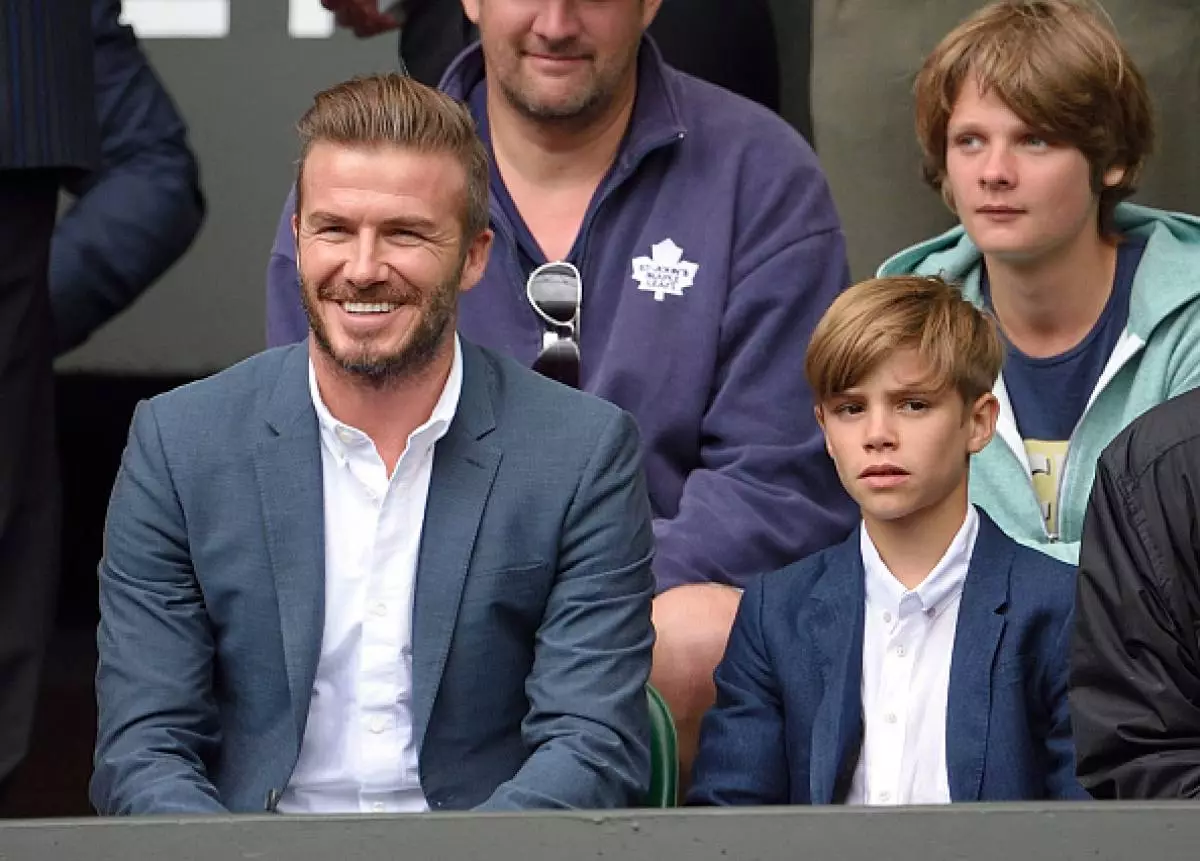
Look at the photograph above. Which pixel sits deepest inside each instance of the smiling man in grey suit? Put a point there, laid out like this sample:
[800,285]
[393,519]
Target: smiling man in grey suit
[384,570]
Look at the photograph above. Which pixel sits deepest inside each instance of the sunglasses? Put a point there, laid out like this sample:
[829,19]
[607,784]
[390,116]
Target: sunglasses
[555,290]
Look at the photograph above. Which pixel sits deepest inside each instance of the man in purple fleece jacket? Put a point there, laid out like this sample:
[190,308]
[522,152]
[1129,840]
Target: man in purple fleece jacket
[708,247]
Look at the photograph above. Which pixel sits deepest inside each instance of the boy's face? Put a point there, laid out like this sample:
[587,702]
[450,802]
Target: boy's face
[900,447]
[1020,197]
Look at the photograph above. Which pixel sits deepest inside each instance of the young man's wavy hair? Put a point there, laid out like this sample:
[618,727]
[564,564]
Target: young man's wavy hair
[1059,66]
[869,322]
[394,110]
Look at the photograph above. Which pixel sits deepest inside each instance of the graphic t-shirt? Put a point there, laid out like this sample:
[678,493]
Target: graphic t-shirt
[1049,395]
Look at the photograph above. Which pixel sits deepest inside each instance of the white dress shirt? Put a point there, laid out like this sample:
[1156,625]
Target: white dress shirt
[908,640]
[359,753]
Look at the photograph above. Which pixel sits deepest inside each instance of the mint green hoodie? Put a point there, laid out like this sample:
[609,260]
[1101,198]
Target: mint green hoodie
[1156,358]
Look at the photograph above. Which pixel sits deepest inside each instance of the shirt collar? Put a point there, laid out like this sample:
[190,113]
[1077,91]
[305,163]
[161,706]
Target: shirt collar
[339,436]
[944,581]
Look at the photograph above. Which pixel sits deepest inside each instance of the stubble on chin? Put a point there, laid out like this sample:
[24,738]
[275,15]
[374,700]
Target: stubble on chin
[379,370]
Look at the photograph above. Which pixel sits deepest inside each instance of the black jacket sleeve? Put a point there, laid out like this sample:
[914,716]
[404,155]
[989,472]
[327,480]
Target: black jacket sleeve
[1135,681]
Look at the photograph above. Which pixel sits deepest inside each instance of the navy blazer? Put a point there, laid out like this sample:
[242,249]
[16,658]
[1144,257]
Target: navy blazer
[787,725]
[531,614]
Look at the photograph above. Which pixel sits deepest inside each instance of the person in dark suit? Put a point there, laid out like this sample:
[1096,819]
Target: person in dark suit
[140,209]
[382,570]
[923,660]
[47,135]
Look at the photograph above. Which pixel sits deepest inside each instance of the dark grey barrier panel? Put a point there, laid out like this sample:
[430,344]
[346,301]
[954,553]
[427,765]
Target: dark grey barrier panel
[1095,832]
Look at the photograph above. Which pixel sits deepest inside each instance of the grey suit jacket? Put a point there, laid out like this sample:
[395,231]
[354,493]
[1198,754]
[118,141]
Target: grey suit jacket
[531,619]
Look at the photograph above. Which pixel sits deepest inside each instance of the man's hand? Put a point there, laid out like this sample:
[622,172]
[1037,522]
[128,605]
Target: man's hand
[363,16]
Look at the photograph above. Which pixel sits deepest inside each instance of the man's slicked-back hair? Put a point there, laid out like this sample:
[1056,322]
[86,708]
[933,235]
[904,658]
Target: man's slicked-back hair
[394,110]
[1059,66]
[869,322]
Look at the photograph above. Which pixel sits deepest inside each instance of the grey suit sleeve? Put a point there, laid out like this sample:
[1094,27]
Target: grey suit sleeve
[588,725]
[158,721]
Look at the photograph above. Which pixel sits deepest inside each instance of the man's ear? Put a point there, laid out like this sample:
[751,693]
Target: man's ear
[1113,176]
[649,10]
[475,260]
[296,237]
[982,416]
[471,10]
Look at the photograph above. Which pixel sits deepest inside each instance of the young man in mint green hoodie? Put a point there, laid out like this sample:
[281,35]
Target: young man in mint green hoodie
[1035,125]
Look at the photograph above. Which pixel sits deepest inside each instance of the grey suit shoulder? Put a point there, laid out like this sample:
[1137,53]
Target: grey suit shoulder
[243,392]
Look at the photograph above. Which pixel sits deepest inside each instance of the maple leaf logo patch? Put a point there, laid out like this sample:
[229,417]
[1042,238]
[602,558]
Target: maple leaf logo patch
[664,272]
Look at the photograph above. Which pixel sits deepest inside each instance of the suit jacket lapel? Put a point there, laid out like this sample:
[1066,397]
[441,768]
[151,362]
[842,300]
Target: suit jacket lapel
[980,624]
[288,466]
[838,634]
[464,467]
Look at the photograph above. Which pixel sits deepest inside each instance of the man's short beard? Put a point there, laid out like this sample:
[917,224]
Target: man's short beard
[379,371]
[579,114]
[434,325]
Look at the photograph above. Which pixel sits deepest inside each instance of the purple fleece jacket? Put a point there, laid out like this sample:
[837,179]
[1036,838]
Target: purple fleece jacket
[708,254]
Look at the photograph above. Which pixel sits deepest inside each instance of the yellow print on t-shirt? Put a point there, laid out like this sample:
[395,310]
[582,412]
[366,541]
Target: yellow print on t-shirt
[1046,460]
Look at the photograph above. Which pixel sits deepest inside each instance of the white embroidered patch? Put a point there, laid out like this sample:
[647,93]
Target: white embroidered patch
[664,271]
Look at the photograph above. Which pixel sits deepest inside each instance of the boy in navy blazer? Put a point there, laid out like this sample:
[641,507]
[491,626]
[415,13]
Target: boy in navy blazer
[924,659]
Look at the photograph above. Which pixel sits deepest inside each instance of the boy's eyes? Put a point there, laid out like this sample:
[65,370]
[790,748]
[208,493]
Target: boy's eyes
[973,141]
[909,405]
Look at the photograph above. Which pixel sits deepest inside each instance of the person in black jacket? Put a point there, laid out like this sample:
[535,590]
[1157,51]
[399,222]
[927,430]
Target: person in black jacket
[1135,664]
[48,135]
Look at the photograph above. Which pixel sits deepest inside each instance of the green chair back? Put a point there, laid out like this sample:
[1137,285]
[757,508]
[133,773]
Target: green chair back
[664,754]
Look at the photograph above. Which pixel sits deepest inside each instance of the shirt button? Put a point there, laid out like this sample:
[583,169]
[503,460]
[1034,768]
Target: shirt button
[900,652]
[380,609]
[377,724]
[344,434]
[885,796]
[890,717]
[887,617]
[931,612]
[377,807]
[372,495]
